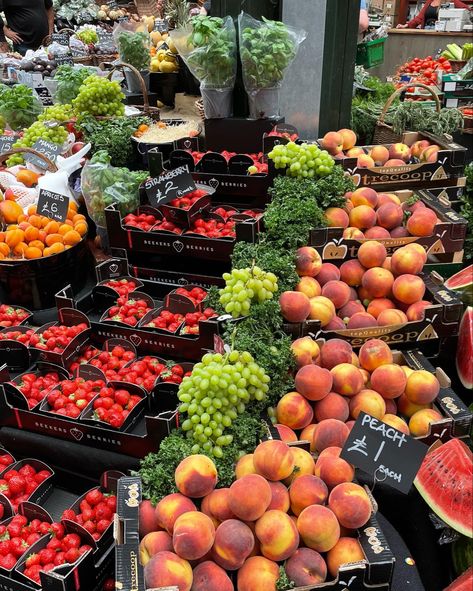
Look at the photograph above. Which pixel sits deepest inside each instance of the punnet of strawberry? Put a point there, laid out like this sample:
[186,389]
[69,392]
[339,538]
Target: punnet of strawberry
[70,397]
[192,319]
[36,386]
[212,228]
[113,406]
[166,320]
[6,460]
[18,485]
[122,286]
[89,353]
[142,221]
[112,361]
[59,550]
[56,338]
[195,295]
[11,316]
[95,512]
[128,310]
[188,200]
[19,534]
[18,336]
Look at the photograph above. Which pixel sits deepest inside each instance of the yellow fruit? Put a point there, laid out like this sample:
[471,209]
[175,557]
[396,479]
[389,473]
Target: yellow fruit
[160,55]
[154,65]
[171,45]
[167,67]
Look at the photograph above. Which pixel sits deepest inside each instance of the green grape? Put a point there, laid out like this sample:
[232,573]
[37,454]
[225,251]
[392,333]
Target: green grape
[38,130]
[302,160]
[59,113]
[245,286]
[99,96]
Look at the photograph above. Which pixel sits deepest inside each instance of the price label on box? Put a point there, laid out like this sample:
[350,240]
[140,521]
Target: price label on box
[6,142]
[49,149]
[61,38]
[44,96]
[169,185]
[53,205]
[64,59]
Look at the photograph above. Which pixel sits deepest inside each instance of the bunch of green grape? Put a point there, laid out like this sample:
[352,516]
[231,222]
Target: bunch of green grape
[38,130]
[215,393]
[99,96]
[88,36]
[59,113]
[244,286]
[302,160]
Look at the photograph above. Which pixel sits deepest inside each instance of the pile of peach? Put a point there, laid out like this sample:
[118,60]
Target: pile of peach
[372,290]
[34,236]
[278,510]
[375,216]
[333,385]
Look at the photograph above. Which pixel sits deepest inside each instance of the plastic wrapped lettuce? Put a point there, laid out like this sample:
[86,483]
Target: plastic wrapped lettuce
[19,106]
[103,185]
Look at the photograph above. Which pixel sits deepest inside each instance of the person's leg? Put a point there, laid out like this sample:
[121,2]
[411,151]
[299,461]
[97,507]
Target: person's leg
[20,48]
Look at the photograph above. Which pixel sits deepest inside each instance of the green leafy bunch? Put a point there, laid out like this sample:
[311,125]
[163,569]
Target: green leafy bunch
[134,49]
[69,79]
[18,106]
[266,51]
[467,211]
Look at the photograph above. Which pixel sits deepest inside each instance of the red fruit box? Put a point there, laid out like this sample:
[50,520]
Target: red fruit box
[135,296]
[448,237]
[108,347]
[7,312]
[191,294]
[44,485]
[173,321]
[186,217]
[67,317]
[104,295]
[14,347]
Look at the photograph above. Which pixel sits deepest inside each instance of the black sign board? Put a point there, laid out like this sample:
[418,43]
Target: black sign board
[49,149]
[112,4]
[384,452]
[169,185]
[161,25]
[53,205]
[61,38]
[105,36]
[44,96]
[6,142]
[64,58]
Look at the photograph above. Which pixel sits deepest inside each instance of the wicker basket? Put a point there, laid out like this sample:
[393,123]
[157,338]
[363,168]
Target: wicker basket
[384,133]
[47,40]
[4,157]
[457,65]
[147,8]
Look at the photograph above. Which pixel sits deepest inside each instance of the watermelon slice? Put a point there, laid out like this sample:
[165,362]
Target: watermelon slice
[462,282]
[464,354]
[463,583]
[445,480]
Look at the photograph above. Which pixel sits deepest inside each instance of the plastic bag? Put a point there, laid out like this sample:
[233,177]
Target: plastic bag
[208,47]
[267,49]
[133,44]
[19,106]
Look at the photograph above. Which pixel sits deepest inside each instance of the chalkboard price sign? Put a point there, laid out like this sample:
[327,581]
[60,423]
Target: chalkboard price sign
[44,96]
[6,142]
[169,185]
[49,149]
[384,452]
[64,59]
[53,205]
[112,4]
[61,38]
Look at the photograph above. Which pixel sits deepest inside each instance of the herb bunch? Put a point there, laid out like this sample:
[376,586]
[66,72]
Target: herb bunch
[134,49]
[19,107]
[69,79]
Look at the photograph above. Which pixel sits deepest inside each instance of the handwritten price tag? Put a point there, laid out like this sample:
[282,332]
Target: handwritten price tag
[53,205]
[169,186]
[49,149]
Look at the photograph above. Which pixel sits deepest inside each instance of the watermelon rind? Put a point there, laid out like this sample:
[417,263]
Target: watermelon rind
[462,282]
[462,554]
[464,355]
[445,481]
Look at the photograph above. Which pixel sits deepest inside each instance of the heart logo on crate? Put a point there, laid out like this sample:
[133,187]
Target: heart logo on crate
[214,183]
[182,281]
[135,339]
[178,246]
[77,434]
[187,144]
[114,268]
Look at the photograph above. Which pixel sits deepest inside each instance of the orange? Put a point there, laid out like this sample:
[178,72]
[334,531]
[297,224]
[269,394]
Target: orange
[14,237]
[31,233]
[51,227]
[23,225]
[36,220]
[12,227]
[2,236]
[72,238]
[20,249]
[4,249]
[27,177]
[81,228]
[33,253]
[22,218]
[2,256]
[54,249]
[53,238]
[44,221]
[42,236]
[37,244]
[68,246]
[78,218]
[73,205]
[9,211]
[31,209]
[63,229]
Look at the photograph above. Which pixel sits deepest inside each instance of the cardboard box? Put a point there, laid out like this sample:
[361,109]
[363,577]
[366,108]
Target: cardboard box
[454,87]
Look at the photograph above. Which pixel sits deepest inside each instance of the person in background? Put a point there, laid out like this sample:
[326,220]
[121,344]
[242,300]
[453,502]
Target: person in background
[364,21]
[28,23]
[429,14]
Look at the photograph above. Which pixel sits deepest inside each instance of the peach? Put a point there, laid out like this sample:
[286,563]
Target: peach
[407,370]
[196,476]
[355,152]
[394,421]
[332,142]
[408,408]
[368,401]
[364,161]
[406,260]
[328,272]
[430,154]
[305,350]
[336,291]
[412,206]
[354,359]
[380,155]
[395,162]
[318,527]
[389,380]
[416,311]
[218,504]
[389,317]
[351,504]
[306,567]
[286,433]
[330,433]
[313,382]
[336,217]
[295,306]
[321,309]
[399,232]
[351,272]
[152,543]
[308,261]
[279,497]
[364,295]
[364,196]
[408,288]
[418,147]
[208,576]
[193,535]
[378,282]
[376,233]
[249,507]
[361,320]
[350,424]
[305,491]
[349,138]
[378,305]
[362,217]
[277,534]
[234,542]
[303,464]
[419,249]
[294,411]
[258,574]
[372,254]
[422,387]
[422,222]
[307,434]
[345,551]
[347,380]
[273,459]
[419,423]
[167,569]
[309,286]
[335,324]
[384,198]
[170,508]
[333,406]
[389,216]
[335,351]
[387,264]
[366,375]
[334,470]
[147,518]
[374,353]
[350,309]
[352,233]
[245,466]
[400,151]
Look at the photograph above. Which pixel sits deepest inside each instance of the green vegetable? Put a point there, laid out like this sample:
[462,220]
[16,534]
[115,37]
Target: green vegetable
[69,79]
[467,211]
[134,49]
[412,116]
[19,107]
[284,582]
[453,52]
[88,36]
[467,52]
